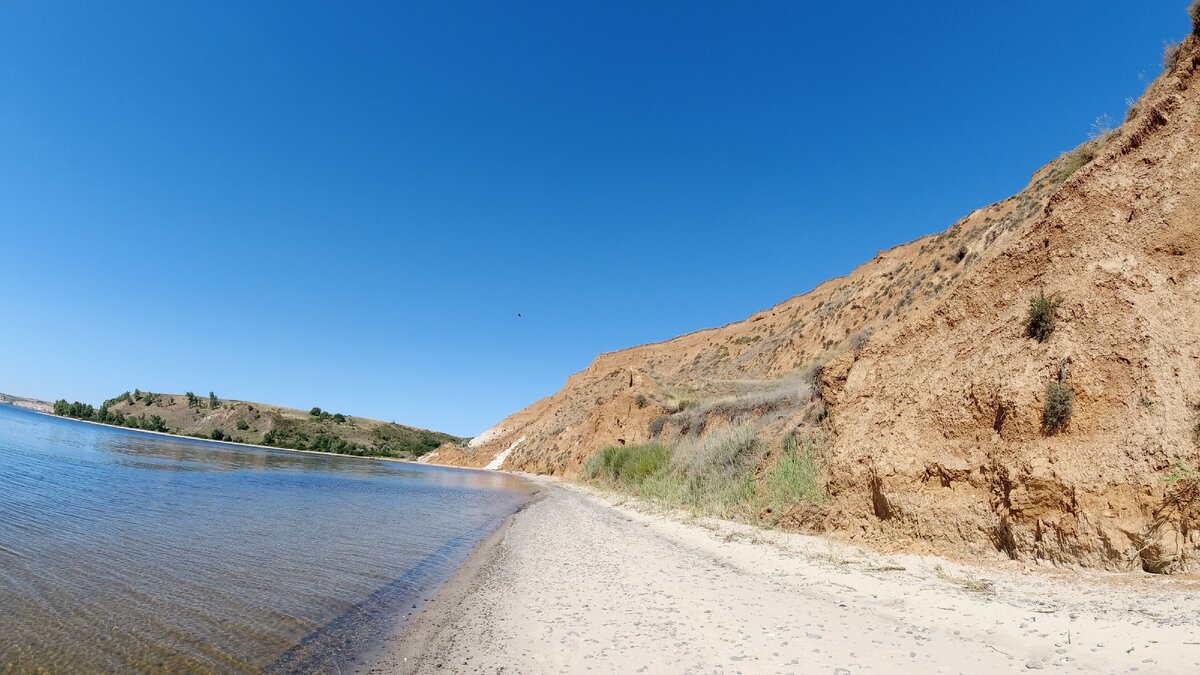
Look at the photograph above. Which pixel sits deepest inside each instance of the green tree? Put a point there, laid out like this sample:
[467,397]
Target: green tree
[213,401]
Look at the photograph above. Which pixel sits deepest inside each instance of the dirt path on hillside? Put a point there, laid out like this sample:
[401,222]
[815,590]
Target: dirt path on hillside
[578,583]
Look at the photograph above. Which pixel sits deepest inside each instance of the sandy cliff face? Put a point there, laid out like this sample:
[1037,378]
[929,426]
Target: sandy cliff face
[933,394]
[938,420]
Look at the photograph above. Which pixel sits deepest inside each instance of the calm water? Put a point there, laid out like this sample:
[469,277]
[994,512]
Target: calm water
[126,552]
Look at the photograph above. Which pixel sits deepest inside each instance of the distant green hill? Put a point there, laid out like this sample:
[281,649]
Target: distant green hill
[219,419]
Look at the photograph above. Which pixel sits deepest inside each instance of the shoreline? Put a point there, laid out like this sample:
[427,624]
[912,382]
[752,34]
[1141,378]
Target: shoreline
[357,635]
[582,580]
[249,445]
[419,627]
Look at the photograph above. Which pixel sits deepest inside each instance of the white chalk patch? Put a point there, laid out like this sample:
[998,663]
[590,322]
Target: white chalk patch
[496,463]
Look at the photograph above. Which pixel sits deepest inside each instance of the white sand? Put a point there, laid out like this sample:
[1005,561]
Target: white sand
[578,584]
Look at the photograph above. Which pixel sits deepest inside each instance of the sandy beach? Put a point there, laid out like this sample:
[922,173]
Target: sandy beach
[586,582]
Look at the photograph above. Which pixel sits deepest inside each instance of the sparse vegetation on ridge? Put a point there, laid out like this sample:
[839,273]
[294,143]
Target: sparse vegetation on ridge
[1194,13]
[1078,158]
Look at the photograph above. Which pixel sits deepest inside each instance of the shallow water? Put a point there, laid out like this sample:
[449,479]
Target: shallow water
[128,552]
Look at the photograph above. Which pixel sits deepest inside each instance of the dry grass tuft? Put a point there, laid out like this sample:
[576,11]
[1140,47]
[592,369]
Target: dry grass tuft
[1170,54]
[966,582]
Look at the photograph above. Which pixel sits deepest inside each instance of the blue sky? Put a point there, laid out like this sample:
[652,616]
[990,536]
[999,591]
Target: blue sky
[311,204]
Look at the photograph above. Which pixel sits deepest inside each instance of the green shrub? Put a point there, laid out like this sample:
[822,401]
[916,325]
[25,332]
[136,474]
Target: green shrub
[1041,317]
[213,401]
[217,435]
[640,401]
[243,425]
[1059,406]
[315,412]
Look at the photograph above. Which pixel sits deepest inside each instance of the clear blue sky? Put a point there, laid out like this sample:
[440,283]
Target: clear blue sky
[347,206]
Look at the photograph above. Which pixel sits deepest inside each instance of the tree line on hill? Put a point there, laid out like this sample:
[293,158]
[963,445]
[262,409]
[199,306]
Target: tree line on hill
[321,431]
[104,415]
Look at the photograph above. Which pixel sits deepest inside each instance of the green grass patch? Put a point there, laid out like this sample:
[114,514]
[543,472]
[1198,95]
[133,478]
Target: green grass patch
[627,465]
[795,477]
[714,475]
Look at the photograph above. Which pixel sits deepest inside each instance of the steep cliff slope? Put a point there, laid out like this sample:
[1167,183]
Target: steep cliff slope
[938,421]
[917,369]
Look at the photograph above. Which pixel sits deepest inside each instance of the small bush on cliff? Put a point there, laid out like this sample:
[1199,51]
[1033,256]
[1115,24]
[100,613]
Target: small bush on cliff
[1079,158]
[1170,54]
[1059,406]
[1183,480]
[1041,317]
[1194,12]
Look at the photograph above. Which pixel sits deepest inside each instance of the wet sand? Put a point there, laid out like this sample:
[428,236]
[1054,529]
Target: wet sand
[581,582]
